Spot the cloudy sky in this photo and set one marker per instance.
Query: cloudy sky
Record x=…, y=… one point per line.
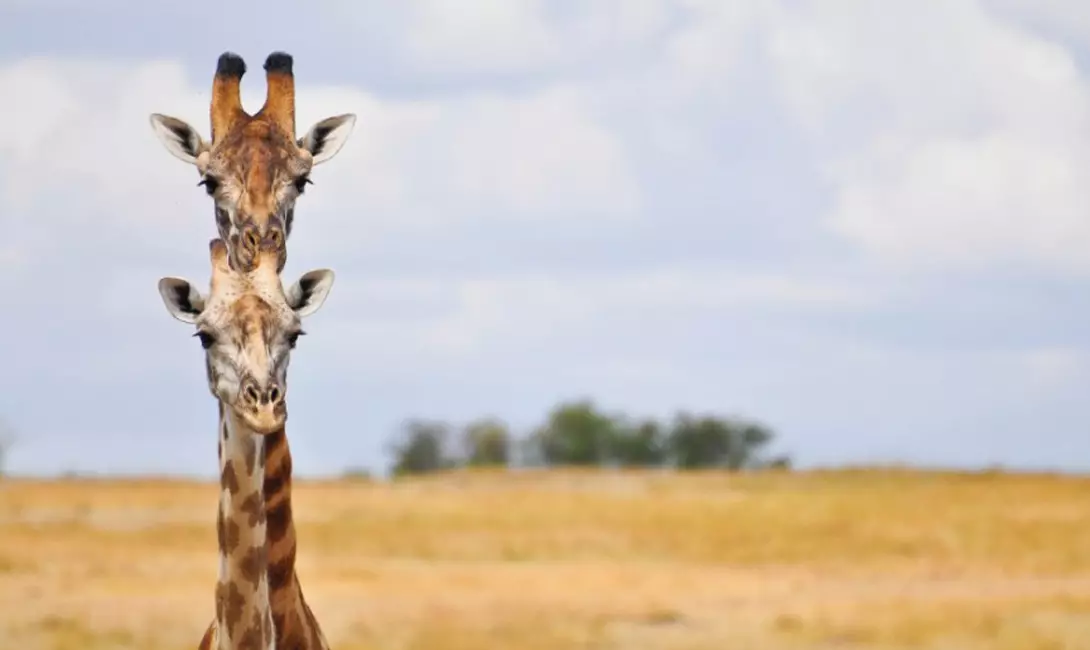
x=867, y=227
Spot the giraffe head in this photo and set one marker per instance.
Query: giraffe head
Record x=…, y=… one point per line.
x=248, y=324
x=254, y=168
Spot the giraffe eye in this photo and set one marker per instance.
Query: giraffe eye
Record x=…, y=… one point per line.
x=293, y=338
x=207, y=340
x=302, y=182
x=211, y=184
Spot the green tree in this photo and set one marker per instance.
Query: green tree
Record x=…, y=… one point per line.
x=698, y=441
x=486, y=442
x=748, y=441
x=642, y=444
x=708, y=441
x=421, y=447
x=576, y=433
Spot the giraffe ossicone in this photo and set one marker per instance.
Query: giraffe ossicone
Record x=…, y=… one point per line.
x=254, y=167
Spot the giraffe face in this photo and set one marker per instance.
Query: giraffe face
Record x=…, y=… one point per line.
x=254, y=177
x=254, y=168
x=248, y=324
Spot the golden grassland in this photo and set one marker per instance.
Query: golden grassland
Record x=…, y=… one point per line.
x=864, y=559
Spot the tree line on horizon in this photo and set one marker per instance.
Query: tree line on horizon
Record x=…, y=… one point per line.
x=579, y=434
x=574, y=434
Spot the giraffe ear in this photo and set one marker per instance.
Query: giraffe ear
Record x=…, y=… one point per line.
x=182, y=299
x=180, y=139
x=326, y=138
x=307, y=295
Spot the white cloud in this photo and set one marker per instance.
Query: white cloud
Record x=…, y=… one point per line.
x=952, y=138
x=537, y=158
x=703, y=54
x=969, y=202
x=1065, y=17
x=79, y=148
x=500, y=37
x=462, y=318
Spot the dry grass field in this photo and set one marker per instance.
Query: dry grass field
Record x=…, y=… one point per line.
x=565, y=560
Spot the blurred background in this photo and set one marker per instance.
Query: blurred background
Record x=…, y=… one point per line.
x=761, y=320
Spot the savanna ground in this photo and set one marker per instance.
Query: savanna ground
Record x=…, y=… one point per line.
x=566, y=560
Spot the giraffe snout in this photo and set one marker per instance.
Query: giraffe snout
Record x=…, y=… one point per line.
x=276, y=239
x=262, y=405
x=255, y=395
x=252, y=240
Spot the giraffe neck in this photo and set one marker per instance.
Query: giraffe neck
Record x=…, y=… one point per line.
x=294, y=623
x=243, y=615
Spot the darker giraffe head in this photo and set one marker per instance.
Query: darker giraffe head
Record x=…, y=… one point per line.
x=254, y=168
x=248, y=324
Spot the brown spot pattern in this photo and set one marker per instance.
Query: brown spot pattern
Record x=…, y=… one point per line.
x=277, y=519
x=275, y=448
x=278, y=625
x=221, y=534
x=228, y=478
x=252, y=635
x=281, y=572
x=231, y=604
x=254, y=508
x=293, y=638
x=251, y=563
x=274, y=487
x=232, y=536
x=293, y=623
x=296, y=625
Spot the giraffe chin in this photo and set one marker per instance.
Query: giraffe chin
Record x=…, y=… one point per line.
x=265, y=421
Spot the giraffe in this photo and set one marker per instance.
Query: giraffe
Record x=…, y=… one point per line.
x=254, y=168
x=248, y=324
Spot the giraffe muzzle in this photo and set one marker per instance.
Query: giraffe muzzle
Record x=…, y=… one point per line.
x=262, y=407
x=252, y=239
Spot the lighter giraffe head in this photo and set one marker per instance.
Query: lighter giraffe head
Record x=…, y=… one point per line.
x=248, y=324
x=254, y=168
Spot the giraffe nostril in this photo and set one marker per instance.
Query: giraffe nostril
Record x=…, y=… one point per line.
x=274, y=394
x=251, y=394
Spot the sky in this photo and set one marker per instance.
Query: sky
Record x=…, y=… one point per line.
x=866, y=225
